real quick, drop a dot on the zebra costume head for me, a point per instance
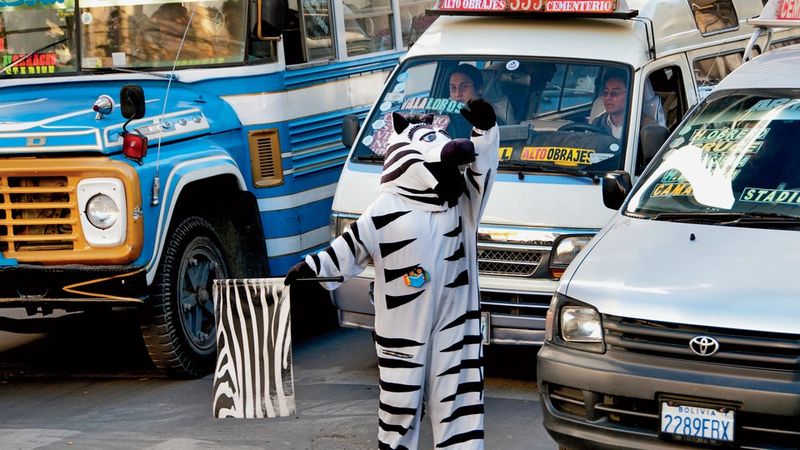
(422, 163)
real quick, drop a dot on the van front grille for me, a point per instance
(509, 262)
(37, 213)
(741, 348)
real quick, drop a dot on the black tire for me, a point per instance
(178, 323)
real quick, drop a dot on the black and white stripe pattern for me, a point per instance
(253, 376)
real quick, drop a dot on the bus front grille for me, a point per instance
(37, 213)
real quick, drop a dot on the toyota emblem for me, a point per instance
(704, 345)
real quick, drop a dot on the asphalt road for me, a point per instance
(92, 387)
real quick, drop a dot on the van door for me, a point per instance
(663, 95)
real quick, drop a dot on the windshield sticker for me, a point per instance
(36, 64)
(704, 135)
(600, 157)
(433, 104)
(86, 18)
(400, 87)
(558, 155)
(504, 153)
(512, 65)
(614, 147)
(787, 104)
(378, 140)
(394, 97)
(672, 190)
(402, 77)
(385, 106)
(770, 196)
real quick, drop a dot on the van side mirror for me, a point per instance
(651, 137)
(131, 98)
(616, 185)
(269, 17)
(350, 128)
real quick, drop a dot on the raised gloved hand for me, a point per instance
(479, 113)
(299, 270)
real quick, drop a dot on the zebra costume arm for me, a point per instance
(347, 256)
(480, 174)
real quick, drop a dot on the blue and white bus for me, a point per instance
(148, 147)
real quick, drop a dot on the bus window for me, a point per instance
(51, 49)
(368, 27)
(712, 16)
(307, 32)
(133, 33)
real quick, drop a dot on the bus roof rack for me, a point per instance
(538, 9)
(776, 14)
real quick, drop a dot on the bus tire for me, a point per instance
(178, 323)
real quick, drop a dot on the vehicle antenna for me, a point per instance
(157, 179)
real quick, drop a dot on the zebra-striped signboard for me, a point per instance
(253, 376)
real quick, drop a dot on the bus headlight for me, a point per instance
(564, 251)
(102, 211)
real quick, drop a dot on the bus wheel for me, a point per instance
(178, 323)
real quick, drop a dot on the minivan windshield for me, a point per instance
(554, 116)
(736, 156)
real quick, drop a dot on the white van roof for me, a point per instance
(776, 69)
(597, 39)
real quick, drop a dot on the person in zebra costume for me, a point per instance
(420, 233)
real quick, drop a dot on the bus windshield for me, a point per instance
(558, 116)
(735, 155)
(41, 37)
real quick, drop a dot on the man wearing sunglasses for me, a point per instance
(615, 98)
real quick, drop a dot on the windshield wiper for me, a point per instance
(535, 166)
(170, 76)
(729, 218)
(369, 158)
(40, 49)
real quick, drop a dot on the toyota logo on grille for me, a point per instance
(704, 345)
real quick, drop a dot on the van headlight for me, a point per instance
(574, 324)
(565, 249)
(339, 222)
(580, 324)
(103, 210)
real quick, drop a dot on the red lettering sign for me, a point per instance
(789, 10)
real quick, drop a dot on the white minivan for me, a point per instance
(679, 323)
(545, 66)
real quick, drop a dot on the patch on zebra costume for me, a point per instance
(253, 376)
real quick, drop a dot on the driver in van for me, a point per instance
(465, 83)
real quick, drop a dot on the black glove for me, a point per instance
(299, 270)
(479, 113)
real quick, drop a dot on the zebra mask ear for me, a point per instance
(399, 122)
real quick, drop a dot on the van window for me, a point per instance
(553, 115)
(368, 27)
(708, 72)
(667, 83)
(734, 156)
(713, 16)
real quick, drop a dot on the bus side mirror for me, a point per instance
(131, 98)
(350, 128)
(652, 137)
(616, 185)
(269, 17)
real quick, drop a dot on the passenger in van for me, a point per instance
(465, 82)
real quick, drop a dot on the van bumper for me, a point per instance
(522, 323)
(611, 400)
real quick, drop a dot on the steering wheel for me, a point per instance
(582, 127)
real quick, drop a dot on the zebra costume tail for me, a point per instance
(253, 376)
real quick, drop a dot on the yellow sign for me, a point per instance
(558, 155)
(504, 153)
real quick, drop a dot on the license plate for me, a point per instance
(697, 423)
(486, 328)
